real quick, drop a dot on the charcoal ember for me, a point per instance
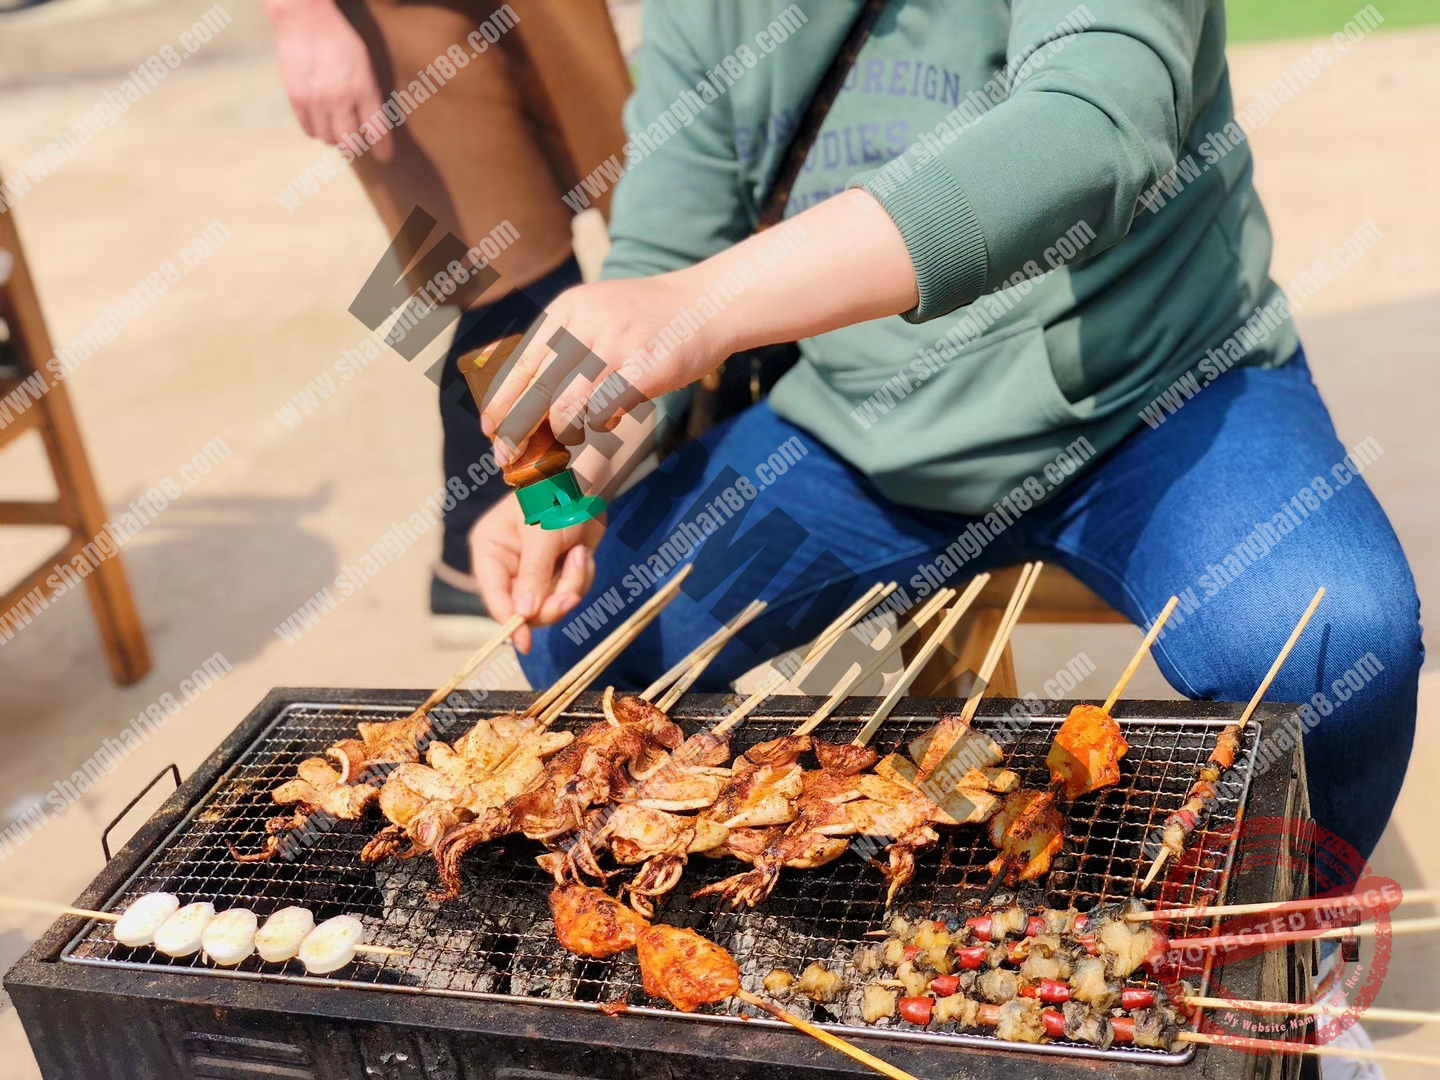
(541, 967)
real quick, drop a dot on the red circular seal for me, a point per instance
(1289, 848)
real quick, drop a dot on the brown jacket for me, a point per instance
(513, 130)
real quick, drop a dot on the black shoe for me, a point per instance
(446, 599)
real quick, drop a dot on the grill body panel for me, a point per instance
(488, 990)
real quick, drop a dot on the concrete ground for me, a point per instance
(251, 326)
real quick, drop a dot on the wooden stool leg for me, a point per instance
(1004, 683)
(80, 507)
(121, 631)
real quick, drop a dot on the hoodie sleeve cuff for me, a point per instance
(940, 231)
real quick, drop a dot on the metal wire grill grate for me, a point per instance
(498, 939)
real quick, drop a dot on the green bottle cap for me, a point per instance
(556, 503)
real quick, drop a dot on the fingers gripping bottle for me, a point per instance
(546, 486)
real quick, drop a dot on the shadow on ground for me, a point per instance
(210, 575)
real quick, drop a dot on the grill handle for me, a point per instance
(172, 768)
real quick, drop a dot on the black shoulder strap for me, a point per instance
(773, 210)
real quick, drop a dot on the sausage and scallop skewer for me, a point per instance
(1181, 825)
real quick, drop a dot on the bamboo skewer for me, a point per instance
(46, 907)
(1410, 896)
(1276, 1046)
(489, 649)
(1141, 653)
(836, 630)
(605, 653)
(1280, 937)
(1008, 621)
(689, 664)
(1260, 692)
(578, 669)
(818, 649)
(682, 685)
(549, 706)
(1264, 687)
(866, 669)
(687, 680)
(921, 658)
(1286, 1008)
(835, 1042)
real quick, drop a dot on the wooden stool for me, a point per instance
(24, 348)
(1058, 598)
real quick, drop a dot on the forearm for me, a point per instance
(279, 10)
(839, 263)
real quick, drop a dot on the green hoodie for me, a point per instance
(1004, 140)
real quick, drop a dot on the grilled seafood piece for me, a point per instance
(684, 968)
(424, 802)
(592, 923)
(813, 837)
(763, 788)
(647, 826)
(317, 788)
(593, 771)
(380, 745)
(840, 800)
(1086, 754)
(1029, 831)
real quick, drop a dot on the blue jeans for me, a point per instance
(1162, 514)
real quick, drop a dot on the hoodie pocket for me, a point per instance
(998, 392)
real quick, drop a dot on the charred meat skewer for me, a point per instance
(1181, 825)
(1084, 758)
(678, 965)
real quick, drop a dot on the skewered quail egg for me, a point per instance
(229, 937)
(279, 939)
(141, 919)
(180, 934)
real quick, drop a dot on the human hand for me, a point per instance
(837, 264)
(616, 321)
(327, 72)
(528, 570)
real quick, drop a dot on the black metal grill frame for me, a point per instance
(497, 942)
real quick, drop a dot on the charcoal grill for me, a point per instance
(487, 992)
